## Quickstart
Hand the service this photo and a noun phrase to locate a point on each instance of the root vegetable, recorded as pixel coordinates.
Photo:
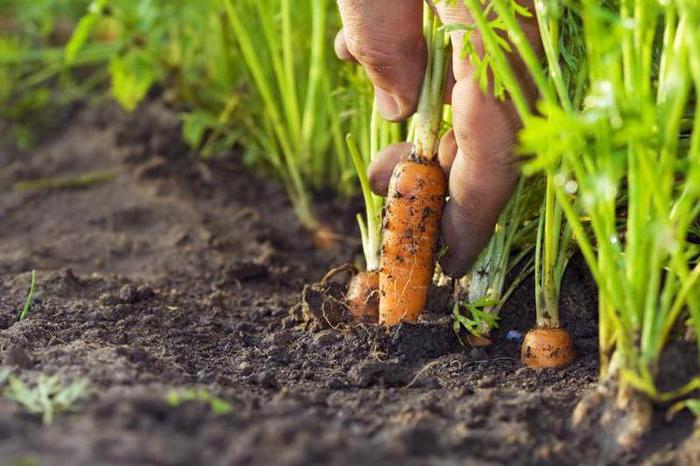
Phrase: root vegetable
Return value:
(362, 297)
(416, 197)
(547, 348)
(414, 207)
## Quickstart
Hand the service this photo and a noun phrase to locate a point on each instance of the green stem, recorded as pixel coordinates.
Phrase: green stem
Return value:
(429, 113)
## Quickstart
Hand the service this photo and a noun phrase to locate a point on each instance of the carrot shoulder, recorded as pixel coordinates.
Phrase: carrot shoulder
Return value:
(411, 225)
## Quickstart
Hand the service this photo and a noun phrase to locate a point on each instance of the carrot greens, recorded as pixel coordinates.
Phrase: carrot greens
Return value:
(381, 134)
(618, 133)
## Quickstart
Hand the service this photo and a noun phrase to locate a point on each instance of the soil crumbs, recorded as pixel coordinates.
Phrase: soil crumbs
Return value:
(168, 287)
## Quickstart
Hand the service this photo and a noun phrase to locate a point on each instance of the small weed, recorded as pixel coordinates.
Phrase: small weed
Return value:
(216, 404)
(30, 296)
(49, 397)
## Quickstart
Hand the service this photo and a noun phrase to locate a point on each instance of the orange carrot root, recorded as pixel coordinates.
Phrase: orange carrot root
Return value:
(547, 347)
(415, 202)
(363, 297)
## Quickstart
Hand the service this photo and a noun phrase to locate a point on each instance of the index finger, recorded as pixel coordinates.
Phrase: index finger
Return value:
(385, 37)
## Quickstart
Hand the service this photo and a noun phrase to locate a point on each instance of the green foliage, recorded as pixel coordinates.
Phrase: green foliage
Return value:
(475, 317)
(133, 74)
(48, 397)
(620, 133)
(377, 134)
(242, 74)
(297, 126)
(217, 405)
(509, 250)
(35, 82)
(25, 461)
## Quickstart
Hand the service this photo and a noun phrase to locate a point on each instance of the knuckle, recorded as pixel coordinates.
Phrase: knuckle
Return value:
(488, 134)
(370, 53)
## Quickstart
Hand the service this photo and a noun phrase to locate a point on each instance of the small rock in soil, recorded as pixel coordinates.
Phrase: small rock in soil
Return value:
(325, 338)
(267, 379)
(478, 354)
(128, 294)
(430, 339)
(245, 368)
(487, 382)
(246, 270)
(17, 355)
(386, 373)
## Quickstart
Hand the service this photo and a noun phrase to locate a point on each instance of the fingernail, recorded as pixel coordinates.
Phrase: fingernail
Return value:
(387, 105)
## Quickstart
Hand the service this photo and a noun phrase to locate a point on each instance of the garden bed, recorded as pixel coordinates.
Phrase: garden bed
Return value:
(177, 274)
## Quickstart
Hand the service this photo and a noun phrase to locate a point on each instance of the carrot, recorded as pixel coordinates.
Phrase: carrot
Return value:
(416, 197)
(362, 297)
(411, 225)
(547, 347)
(548, 344)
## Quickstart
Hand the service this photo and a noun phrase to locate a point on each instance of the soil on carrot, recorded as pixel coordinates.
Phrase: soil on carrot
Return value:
(177, 274)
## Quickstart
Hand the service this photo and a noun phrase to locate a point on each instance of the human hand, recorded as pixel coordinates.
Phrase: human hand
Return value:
(385, 37)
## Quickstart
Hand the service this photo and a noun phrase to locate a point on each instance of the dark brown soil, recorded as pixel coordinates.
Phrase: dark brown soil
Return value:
(179, 274)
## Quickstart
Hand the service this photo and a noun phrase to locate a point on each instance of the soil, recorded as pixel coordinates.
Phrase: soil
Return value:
(180, 274)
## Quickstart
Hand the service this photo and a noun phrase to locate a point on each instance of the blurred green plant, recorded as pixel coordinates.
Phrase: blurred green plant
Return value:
(48, 397)
(35, 82)
(254, 74)
(297, 124)
(217, 405)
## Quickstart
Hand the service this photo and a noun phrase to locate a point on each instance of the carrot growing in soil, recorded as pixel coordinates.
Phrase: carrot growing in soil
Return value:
(416, 197)
(549, 344)
(480, 294)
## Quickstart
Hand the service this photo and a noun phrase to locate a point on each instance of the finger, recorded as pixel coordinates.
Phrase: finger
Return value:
(483, 171)
(482, 176)
(341, 48)
(385, 37)
(447, 151)
(382, 166)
